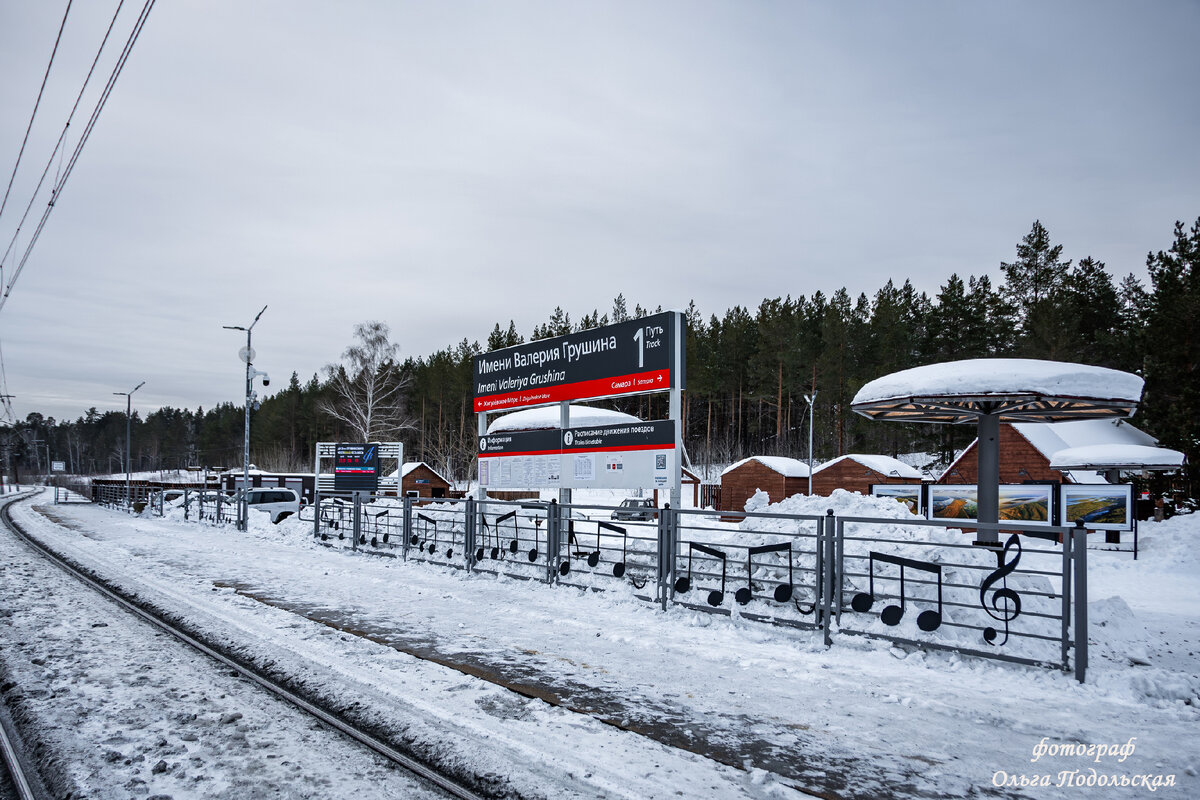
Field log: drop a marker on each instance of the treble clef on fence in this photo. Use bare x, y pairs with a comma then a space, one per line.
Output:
1011, 600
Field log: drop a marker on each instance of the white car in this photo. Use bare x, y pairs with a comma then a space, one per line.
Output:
280, 503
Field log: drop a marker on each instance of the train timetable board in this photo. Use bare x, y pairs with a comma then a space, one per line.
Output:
356, 467
634, 357
635, 455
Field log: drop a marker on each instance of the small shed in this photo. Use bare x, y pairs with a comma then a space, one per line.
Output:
857, 472
418, 479
778, 476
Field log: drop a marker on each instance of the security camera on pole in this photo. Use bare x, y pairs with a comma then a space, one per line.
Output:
247, 355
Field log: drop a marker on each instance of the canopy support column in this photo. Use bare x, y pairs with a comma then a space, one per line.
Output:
988, 482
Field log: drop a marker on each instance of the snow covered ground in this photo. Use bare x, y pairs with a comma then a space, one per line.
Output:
620, 699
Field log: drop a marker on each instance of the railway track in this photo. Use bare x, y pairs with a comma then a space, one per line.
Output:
449, 785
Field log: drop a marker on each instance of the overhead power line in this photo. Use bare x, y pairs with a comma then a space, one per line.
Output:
56, 191
62, 136
36, 103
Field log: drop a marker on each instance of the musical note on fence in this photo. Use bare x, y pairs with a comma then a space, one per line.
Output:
593, 558
715, 598
483, 540
425, 531
1012, 601
496, 551
783, 592
926, 620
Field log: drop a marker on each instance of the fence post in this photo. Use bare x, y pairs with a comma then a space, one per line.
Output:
1079, 545
406, 526
355, 521
316, 505
553, 521
471, 533
832, 531
187, 504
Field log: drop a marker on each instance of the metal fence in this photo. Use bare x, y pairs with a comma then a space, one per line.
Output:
914, 582
919, 583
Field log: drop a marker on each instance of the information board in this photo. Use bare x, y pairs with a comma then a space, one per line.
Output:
635, 455
633, 357
356, 467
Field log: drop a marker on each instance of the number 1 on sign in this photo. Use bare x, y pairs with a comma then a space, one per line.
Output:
637, 337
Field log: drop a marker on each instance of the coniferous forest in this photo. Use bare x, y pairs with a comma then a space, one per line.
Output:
748, 371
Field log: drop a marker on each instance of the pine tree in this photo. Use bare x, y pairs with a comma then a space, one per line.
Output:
1172, 398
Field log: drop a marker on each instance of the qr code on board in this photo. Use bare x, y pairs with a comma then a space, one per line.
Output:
660, 462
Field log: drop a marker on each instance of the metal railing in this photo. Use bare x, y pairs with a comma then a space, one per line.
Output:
914, 582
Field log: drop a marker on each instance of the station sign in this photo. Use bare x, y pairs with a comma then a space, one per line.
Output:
634, 357
634, 455
356, 467
58, 466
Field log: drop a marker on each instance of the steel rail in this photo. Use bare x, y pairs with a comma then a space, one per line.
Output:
16, 770
443, 782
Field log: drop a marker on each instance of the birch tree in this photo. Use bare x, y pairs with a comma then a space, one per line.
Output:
366, 391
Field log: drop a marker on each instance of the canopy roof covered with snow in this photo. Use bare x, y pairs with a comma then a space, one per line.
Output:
884, 465
787, 467
1104, 457
1012, 389
547, 417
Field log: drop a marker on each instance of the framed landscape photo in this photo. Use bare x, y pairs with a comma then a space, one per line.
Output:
1019, 502
1026, 502
1102, 506
907, 493
958, 502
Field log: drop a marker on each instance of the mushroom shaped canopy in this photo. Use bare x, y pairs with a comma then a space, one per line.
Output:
1013, 389
1103, 457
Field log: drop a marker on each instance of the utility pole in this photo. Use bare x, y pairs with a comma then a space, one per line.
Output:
128, 427
247, 355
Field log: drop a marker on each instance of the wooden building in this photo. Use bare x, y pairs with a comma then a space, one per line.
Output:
1027, 447
418, 479
778, 476
857, 472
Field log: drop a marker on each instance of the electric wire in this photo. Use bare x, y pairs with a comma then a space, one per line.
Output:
56, 190
36, 103
62, 136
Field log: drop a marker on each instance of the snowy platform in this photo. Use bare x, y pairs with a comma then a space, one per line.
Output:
614, 697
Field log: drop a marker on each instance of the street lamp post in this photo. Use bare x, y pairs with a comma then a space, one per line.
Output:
128, 420
247, 356
811, 399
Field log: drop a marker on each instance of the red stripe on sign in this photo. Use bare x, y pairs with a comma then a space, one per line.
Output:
521, 453
620, 448
613, 449
659, 379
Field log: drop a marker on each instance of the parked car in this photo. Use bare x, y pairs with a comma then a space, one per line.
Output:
636, 508
280, 503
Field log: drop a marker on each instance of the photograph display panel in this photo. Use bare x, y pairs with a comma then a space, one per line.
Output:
906, 493
1101, 506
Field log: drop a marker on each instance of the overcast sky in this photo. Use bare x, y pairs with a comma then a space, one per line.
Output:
446, 166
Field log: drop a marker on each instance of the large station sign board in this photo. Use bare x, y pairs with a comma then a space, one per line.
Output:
633, 357
356, 467
633, 455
